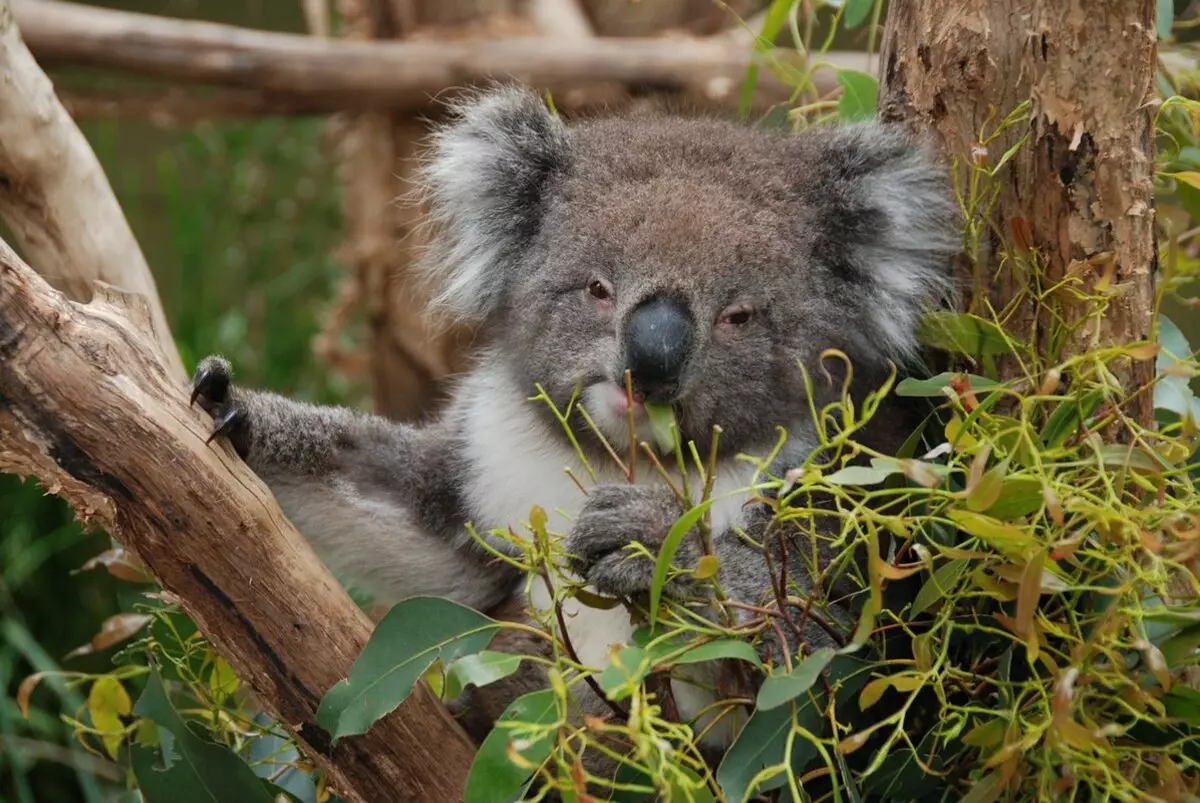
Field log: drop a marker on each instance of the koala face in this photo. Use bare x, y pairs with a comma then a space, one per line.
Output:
708, 259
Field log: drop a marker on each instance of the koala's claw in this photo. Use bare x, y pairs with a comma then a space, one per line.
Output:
211, 387
227, 422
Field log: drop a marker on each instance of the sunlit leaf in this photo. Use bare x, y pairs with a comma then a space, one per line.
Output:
987, 491
707, 567
107, 702
627, 668
412, 635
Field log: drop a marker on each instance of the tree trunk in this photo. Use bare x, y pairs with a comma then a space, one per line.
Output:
89, 409
1077, 195
55, 197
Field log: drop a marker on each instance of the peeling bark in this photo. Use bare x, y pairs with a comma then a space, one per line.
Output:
1079, 189
88, 407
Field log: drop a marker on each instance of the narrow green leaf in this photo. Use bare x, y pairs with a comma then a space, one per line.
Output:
935, 386
479, 669
997, 534
493, 777
864, 475
775, 19
860, 92
963, 333
714, 650
187, 768
412, 635
941, 581
670, 546
987, 492
1067, 417
782, 687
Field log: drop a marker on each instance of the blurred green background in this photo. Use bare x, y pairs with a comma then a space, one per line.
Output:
239, 221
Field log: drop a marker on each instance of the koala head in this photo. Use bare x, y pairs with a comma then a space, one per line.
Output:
707, 258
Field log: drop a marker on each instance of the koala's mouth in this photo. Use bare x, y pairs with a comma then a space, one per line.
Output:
611, 409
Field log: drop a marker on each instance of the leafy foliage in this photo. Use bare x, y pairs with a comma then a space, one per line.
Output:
1018, 626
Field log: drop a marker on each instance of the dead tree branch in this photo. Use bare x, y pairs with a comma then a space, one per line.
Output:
91, 411
55, 196
337, 74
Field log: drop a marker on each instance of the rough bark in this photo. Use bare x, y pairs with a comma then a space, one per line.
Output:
1079, 189
88, 408
336, 74
55, 197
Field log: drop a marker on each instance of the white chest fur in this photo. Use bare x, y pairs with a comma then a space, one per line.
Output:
515, 465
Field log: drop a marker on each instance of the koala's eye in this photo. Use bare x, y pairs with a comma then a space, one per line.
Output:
737, 315
599, 290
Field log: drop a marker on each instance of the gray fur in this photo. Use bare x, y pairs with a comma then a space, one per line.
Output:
834, 239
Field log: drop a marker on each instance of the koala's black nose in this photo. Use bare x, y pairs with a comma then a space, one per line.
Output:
658, 341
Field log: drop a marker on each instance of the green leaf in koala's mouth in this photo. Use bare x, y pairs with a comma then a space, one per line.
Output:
662, 419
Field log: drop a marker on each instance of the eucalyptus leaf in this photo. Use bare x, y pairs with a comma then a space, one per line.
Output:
940, 582
412, 635
662, 421
493, 777
860, 92
963, 333
187, 768
863, 475
478, 670
763, 741
667, 552
935, 386
857, 12
782, 687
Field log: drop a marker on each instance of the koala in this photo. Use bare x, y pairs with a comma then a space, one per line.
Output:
713, 261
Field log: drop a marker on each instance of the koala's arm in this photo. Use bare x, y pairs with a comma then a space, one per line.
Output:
378, 500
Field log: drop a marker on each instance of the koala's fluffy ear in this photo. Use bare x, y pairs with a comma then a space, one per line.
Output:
484, 180
889, 226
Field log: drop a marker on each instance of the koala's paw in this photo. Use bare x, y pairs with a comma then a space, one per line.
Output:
614, 517
212, 388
